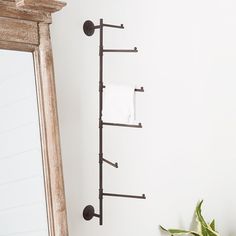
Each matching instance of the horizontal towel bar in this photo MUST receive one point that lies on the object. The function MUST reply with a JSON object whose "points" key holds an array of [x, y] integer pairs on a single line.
{"points": [[139, 90], [120, 50], [136, 90], [124, 195], [110, 163], [121, 26], [123, 125], [114, 26]]}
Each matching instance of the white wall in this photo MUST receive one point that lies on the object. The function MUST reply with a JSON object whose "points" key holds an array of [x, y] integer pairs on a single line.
{"points": [[186, 150]]}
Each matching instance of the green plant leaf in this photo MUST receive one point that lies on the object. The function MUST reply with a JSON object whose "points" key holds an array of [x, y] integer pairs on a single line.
{"points": [[212, 225], [206, 229], [201, 221], [199, 214], [179, 231], [211, 232]]}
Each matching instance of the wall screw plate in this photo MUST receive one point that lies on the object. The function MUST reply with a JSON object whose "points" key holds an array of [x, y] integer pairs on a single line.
{"points": [[88, 212], [89, 28]]}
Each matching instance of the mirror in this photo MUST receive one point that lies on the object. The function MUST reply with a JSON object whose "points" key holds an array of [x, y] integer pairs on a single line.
{"points": [[32, 196], [22, 193]]}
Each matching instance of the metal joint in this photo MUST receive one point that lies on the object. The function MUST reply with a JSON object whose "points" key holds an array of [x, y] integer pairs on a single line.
{"points": [[100, 50], [100, 124], [101, 87], [100, 193]]}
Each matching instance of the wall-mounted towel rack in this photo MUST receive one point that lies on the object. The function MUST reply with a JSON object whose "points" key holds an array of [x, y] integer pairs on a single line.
{"points": [[89, 29]]}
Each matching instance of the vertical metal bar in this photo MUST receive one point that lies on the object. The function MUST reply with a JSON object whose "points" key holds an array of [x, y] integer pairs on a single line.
{"points": [[101, 124]]}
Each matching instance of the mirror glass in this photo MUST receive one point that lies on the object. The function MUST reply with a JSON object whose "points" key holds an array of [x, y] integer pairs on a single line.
{"points": [[22, 192]]}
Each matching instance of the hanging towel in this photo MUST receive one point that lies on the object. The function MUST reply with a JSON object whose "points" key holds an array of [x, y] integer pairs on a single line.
{"points": [[119, 104]]}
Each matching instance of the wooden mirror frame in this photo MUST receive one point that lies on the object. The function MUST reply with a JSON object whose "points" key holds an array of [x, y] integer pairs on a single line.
{"points": [[24, 26]]}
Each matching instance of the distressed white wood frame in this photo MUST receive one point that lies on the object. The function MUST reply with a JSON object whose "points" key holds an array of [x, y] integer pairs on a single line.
{"points": [[24, 26]]}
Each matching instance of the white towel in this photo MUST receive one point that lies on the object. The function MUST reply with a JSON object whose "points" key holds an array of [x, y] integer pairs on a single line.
{"points": [[119, 104]]}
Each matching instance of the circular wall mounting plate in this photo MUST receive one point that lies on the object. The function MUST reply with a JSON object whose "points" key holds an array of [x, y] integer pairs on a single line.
{"points": [[88, 28], [88, 212]]}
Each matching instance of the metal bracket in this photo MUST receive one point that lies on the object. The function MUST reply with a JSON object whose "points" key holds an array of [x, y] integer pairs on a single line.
{"points": [[89, 29]]}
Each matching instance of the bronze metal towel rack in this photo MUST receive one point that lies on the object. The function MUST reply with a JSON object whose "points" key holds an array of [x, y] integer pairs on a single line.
{"points": [[89, 29]]}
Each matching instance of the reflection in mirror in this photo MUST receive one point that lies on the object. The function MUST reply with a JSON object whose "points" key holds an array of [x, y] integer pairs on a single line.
{"points": [[22, 193]]}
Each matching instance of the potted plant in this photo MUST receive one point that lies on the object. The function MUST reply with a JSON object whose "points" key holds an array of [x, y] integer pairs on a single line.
{"points": [[204, 229]]}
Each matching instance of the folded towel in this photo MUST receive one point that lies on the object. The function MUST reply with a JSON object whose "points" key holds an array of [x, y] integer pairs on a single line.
{"points": [[119, 104]]}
